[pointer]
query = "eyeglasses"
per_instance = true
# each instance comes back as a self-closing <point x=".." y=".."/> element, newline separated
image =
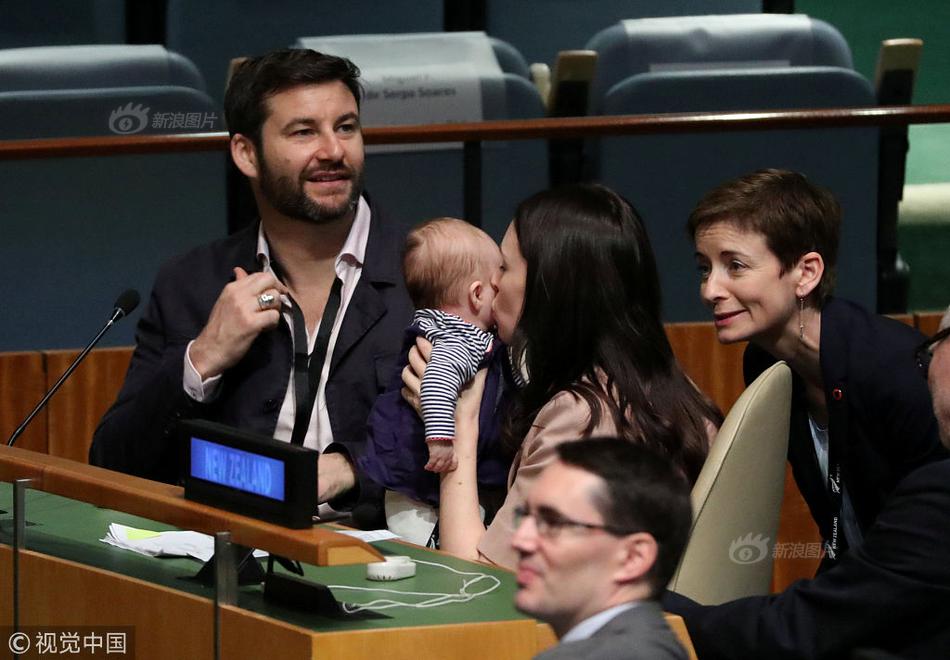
<point x="926" y="350"/>
<point x="549" y="523"/>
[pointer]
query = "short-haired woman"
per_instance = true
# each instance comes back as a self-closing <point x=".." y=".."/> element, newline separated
<point x="766" y="245"/>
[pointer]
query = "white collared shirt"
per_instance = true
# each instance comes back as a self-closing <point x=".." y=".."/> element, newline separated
<point x="349" y="267"/>
<point x="592" y="624"/>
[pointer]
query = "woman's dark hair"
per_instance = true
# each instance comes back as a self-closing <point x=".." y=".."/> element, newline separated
<point x="591" y="325"/>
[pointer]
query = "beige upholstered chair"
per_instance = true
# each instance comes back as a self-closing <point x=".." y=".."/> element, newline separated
<point x="738" y="495"/>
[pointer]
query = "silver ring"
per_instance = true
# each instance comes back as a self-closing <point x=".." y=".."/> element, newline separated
<point x="264" y="300"/>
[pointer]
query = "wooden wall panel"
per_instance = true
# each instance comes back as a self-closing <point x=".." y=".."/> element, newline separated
<point x="22" y="385"/>
<point x="715" y="368"/>
<point x="797" y="539"/>
<point x="76" y="409"/>
<point x="928" y="322"/>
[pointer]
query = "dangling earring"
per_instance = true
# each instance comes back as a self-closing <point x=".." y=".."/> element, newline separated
<point x="801" y="318"/>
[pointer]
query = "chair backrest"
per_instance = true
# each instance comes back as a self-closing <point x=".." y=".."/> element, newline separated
<point x="724" y="64"/>
<point x="683" y="43"/>
<point x="70" y="91"/>
<point x="213" y="32"/>
<point x="738" y="496"/>
<point x="665" y="175"/>
<point x="541" y="28"/>
<point x="91" y="66"/>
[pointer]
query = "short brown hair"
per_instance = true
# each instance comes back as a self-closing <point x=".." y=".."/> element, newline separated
<point x="642" y="492"/>
<point x="794" y="215"/>
<point x="436" y="276"/>
<point x="256" y="79"/>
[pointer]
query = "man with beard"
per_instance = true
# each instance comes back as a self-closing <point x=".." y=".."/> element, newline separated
<point x="290" y="327"/>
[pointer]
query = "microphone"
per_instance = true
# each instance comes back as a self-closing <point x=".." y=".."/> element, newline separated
<point x="127" y="301"/>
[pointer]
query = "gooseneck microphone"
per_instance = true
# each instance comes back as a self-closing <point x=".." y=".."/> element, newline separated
<point x="127" y="301"/>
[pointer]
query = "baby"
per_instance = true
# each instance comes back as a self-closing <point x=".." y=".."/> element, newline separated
<point x="447" y="265"/>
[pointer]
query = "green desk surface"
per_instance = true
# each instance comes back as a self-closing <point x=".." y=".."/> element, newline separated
<point x="69" y="529"/>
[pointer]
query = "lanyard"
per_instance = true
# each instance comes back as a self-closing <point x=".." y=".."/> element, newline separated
<point x="834" y="542"/>
<point x="832" y="545"/>
<point x="835" y="486"/>
<point x="307" y="368"/>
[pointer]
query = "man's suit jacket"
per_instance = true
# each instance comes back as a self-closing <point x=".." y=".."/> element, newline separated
<point x="880" y="412"/>
<point x="890" y="593"/>
<point x="135" y="435"/>
<point x="639" y="633"/>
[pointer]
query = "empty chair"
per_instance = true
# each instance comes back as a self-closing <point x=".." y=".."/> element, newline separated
<point x="738" y="496"/>
<point x="475" y="78"/>
<point x="60" y="91"/>
<point x="685" y="43"/>
<point x="95" y="66"/>
<point x="772" y="68"/>
<point x="539" y="29"/>
<point x="213" y="32"/>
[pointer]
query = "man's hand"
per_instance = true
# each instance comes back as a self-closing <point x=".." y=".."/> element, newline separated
<point x="335" y="476"/>
<point x="441" y="456"/>
<point x="236" y="319"/>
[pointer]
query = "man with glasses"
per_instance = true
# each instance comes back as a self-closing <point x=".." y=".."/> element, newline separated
<point x="890" y="595"/>
<point x="598" y="538"/>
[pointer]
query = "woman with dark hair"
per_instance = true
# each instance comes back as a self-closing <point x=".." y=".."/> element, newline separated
<point x="578" y="303"/>
<point x="766" y="245"/>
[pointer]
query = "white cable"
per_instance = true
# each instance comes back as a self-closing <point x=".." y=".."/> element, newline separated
<point x="432" y="599"/>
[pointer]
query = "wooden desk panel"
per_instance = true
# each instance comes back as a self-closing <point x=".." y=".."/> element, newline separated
<point x="69" y="578"/>
<point x="167" y="623"/>
<point x="6" y="604"/>
<point x="166" y="503"/>
<point x="504" y="640"/>
<point x="173" y="624"/>
<point x="22" y="385"/>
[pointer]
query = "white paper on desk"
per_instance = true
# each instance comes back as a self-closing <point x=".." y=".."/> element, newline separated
<point x="369" y="536"/>
<point x="163" y="544"/>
